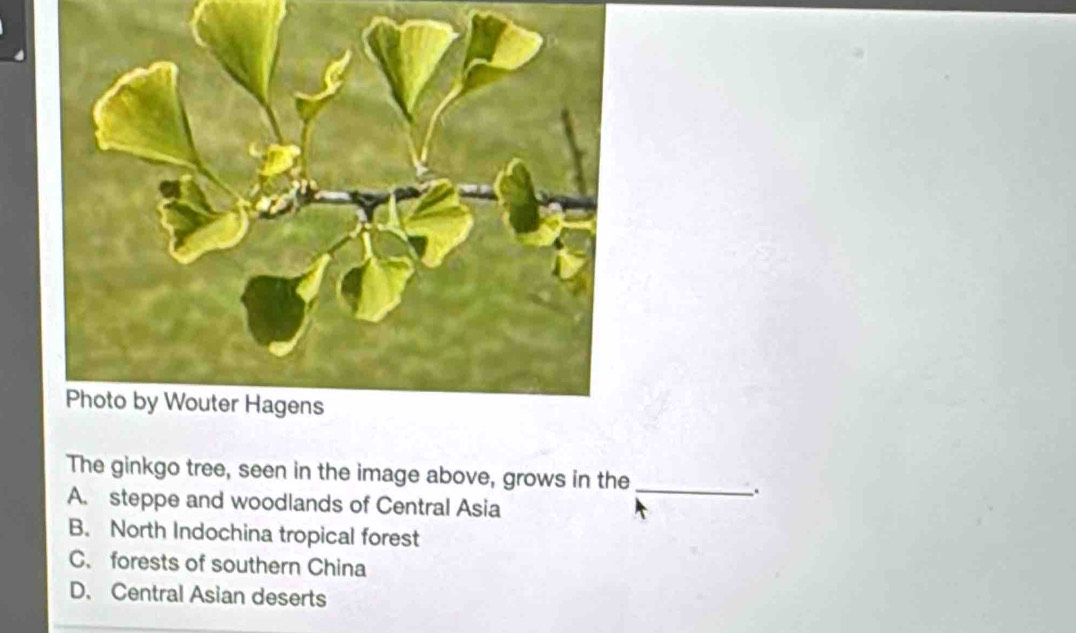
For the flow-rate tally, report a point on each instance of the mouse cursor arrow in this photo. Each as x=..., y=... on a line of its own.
x=640, y=509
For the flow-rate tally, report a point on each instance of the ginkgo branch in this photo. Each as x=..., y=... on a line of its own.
x=368, y=200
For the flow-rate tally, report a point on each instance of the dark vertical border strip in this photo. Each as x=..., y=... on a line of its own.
x=22, y=536
x=22, y=490
x=13, y=44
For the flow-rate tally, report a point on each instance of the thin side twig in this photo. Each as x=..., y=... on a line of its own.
x=575, y=150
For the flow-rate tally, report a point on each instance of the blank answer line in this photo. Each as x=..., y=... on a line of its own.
x=707, y=493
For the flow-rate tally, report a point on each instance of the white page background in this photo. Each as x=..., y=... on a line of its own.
x=836, y=264
x=874, y=217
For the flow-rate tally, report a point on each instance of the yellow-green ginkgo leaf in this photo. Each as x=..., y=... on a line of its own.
x=568, y=262
x=278, y=160
x=372, y=289
x=407, y=54
x=438, y=223
x=548, y=231
x=142, y=114
x=522, y=211
x=193, y=226
x=309, y=105
x=278, y=308
x=582, y=283
x=496, y=46
x=515, y=193
x=243, y=36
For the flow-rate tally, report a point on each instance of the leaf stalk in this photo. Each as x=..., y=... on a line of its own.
x=441, y=107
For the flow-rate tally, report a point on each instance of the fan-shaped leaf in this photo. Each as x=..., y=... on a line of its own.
x=522, y=212
x=407, y=54
x=278, y=308
x=515, y=193
x=438, y=223
x=310, y=105
x=277, y=160
x=142, y=114
x=582, y=283
x=496, y=46
x=243, y=36
x=193, y=226
x=547, y=232
x=374, y=288
x=568, y=262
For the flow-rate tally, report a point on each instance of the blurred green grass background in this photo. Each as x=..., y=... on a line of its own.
x=491, y=318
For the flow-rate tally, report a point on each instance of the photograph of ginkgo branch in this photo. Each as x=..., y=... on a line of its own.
x=356, y=195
